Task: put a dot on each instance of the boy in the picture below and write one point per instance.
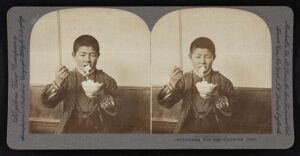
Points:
(199, 113)
(83, 112)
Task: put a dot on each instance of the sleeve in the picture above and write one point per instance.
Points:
(167, 90)
(52, 94)
(111, 86)
(169, 96)
(225, 99)
(108, 102)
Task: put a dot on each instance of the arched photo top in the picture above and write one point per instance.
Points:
(211, 12)
(242, 40)
(123, 38)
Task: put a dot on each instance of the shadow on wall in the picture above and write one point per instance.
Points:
(133, 117)
(252, 113)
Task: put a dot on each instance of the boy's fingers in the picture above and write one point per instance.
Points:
(175, 68)
(65, 74)
(62, 74)
(178, 71)
(104, 106)
(64, 71)
(178, 76)
(60, 68)
(173, 74)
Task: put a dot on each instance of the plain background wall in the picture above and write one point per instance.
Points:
(242, 41)
(124, 41)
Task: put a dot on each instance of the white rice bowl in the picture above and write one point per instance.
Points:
(89, 86)
(204, 88)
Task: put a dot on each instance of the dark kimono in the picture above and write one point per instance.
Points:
(82, 114)
(199, 115)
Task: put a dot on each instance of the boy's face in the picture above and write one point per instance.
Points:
(86, 56)
(201, 58)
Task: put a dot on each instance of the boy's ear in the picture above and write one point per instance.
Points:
(73, 54)
(190, 56)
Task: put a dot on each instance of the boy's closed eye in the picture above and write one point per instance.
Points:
(206, 56)
(93, 55)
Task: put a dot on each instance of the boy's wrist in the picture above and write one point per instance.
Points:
(58, 82)
(56, 85)
(171, 86)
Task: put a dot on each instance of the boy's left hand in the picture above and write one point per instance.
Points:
(108, 104)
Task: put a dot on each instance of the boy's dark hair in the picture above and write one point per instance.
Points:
(85, 40)
(204, 43)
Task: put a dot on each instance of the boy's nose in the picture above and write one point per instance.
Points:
(202, 60)
(87, 59)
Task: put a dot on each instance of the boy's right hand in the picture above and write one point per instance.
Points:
(175, 75)
(61, 74)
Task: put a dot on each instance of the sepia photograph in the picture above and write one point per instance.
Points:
(89, 72)
(211, 72)
(150, 77)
